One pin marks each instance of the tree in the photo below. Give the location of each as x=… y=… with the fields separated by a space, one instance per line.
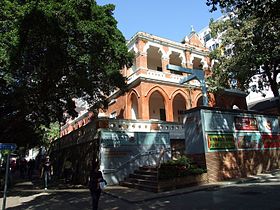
x=267 y=9
x=51 y=52
x=254 y=32
x=50 y=133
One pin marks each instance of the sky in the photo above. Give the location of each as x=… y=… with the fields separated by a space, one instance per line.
x=168 y=19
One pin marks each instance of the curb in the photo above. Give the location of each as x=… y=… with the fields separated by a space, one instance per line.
x=165 y=194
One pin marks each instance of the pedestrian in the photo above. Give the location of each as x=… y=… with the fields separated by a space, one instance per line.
x=31 y=167
x=22 y=167
x=94 y=184
x=46 y=171
x=13 y=166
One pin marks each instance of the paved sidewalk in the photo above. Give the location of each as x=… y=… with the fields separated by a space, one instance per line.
x=23 y=193
x=135 y=195
x=37 y=184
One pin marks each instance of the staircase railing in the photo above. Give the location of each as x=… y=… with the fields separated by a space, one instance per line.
x=161 y=152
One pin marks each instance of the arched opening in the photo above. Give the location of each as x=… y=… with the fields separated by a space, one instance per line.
x=197 y=63
x=174 y=59
x=154 y=59
x=133 y=68
x=199 y=101
x=179 y=104
x=157 y=107
x=134 y=107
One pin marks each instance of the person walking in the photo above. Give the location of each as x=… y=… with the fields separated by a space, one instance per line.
x=94 y=184
x=46 y=171
x=30 y=168
x=22 y=167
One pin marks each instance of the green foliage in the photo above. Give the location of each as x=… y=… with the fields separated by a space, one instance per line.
x=253 y=34
x=51 y=52
x=247 y=8
x=50 y=134
x=181 y=167
x=183 y=161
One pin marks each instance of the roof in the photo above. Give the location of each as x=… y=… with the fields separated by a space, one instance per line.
x=265 y=104
x=235 y=92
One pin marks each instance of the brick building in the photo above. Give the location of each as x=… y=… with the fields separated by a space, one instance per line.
x=152 y=114
x=158 y=93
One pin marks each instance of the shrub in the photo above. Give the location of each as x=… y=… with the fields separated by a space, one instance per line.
x=179 y=168
x=183 y=160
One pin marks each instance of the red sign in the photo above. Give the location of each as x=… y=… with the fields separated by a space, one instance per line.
x=271 y=141
x=246 y=123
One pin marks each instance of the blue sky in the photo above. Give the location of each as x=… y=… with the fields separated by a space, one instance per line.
x=164 y=18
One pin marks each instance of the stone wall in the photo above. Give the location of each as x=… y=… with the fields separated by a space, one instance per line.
x=80 y=147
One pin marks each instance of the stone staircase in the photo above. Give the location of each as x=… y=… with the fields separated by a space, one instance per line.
x=144 y=178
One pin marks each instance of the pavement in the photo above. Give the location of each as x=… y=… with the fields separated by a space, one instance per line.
x=24 y=191
x=135 y=196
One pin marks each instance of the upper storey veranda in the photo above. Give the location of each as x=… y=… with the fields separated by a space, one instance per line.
x=153 y=54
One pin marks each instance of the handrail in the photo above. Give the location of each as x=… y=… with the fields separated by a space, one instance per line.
x=134 y=158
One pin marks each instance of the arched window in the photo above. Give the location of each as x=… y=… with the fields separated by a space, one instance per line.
x=154 y=58
x=197 y=63
x=199 y=101
x=134 y=107
x=179 y=104
x=175 y=59
x=157 y=107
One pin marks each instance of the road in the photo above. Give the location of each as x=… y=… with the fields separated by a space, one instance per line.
x=265 y=196
x=252 y=194
x=234 y=197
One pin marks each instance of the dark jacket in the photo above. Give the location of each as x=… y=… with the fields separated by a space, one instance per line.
x=95 y=178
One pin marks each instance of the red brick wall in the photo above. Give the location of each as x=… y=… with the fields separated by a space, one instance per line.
x=119 y=107
x=199 y=159
x=236 y=164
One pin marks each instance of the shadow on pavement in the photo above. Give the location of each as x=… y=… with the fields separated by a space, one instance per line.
x=269 y=177
x=53 y=200
x=61 y=196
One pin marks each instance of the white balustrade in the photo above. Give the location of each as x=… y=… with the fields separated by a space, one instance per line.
x=156 y=75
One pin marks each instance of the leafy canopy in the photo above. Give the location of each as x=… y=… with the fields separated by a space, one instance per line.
x=250 y=49
x=51 y=52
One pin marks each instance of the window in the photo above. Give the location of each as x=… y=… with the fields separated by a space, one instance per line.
x=215 y=46
x=207 y=37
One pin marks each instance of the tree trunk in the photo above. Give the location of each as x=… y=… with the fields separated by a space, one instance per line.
x=273 y=83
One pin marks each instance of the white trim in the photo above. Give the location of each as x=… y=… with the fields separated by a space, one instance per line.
x=181 y=54
x=203 y=60
x=134 y=48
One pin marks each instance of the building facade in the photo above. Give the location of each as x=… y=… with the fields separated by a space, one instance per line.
x=155 y=114
x=156 y=92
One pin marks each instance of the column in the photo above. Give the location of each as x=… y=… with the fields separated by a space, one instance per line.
x=169 y=110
